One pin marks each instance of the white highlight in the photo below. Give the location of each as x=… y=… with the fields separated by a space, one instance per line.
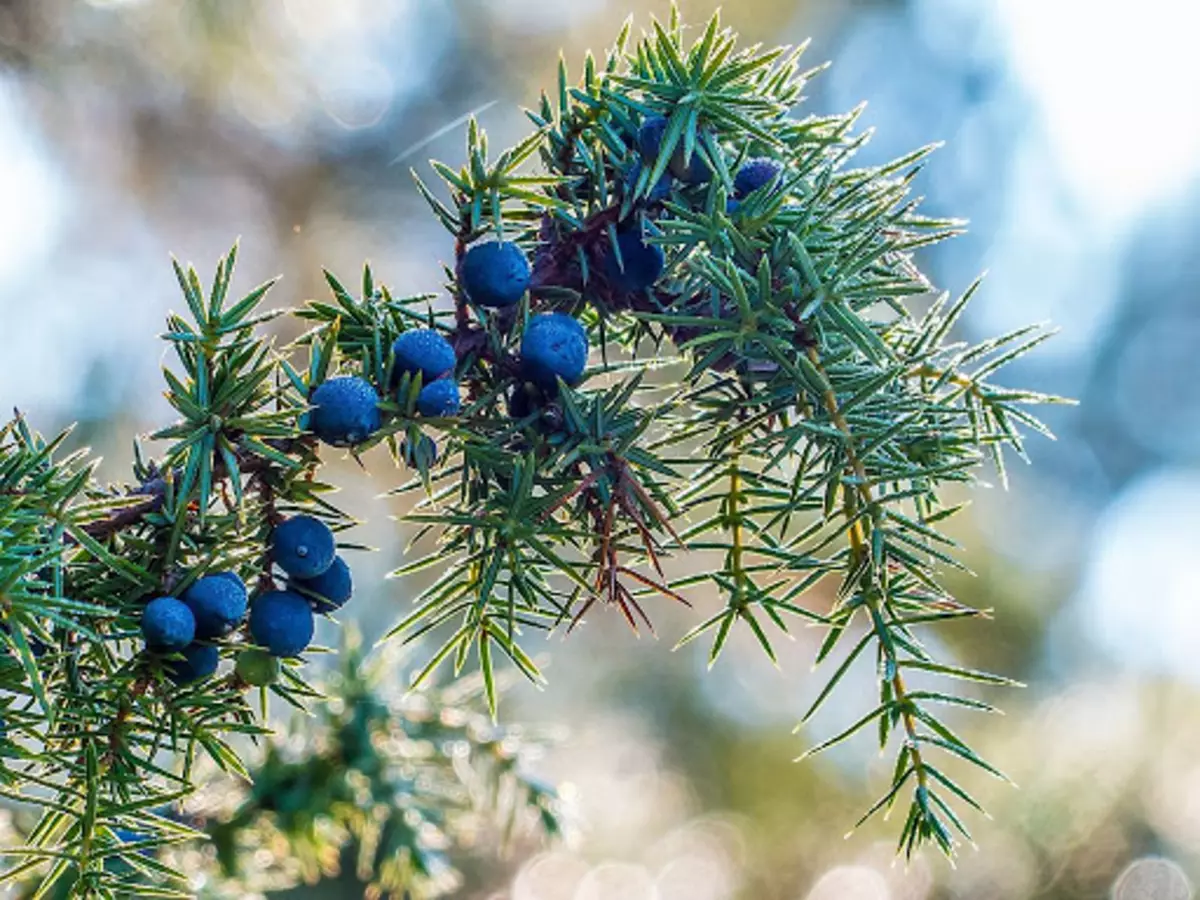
x=1117 y=86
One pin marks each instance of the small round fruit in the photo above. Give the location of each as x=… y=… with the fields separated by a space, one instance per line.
x=694 y=171
x=345 y=411
x=218 y=603
x=257 y=667
x=439 y=398
x=659 y=192
x=230 y=576
x=495 y=273
x=168 y=624
x=424 y=352
x=281 y=622
x=328 y=591
x=525 y=400
x=303 y=546
x=199 y=661
x=650 y=136
x=643 y=263
x=553 y=346
x=755 y=174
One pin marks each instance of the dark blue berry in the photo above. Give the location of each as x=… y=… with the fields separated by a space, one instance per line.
x=495 y=273
x=659 y=192
x=731 y=206
x=424 y=352
x=440 y=398
x=694 y=171
x=199 y=661
x=650 y=136
x=345 y=411
x=554 y=345
x=754 y=174
x=643 y=263
x=168 y=624
x=218 y=603
x=281 y=622
x=303 y=546
x=525 y=400
x=233 y=577
x=329 y=590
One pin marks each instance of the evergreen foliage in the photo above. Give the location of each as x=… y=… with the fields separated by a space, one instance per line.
x=775 y=400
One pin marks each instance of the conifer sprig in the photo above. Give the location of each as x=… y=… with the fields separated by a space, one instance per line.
x=775 y=402
x=682 y=208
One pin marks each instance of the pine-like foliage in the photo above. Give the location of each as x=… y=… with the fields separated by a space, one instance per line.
x=782 y=406
x=775 y=401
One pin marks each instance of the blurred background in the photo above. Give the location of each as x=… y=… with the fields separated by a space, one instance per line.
x=131 y=130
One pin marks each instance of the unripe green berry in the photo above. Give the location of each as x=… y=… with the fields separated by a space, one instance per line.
x=257 y=667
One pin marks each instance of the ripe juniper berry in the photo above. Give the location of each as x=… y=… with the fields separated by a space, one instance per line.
x=281 y=622
x=659 y=192
x=168 y=624
x=345 y=411
x=695 y=170
x=440 y=398
x=199 y=661
x=643 y=263
x=754 y=174
x=650 y=136
x=218 y=603
x=495 y=273
x=328 y=591
x=422 y=351
x=303 y=546
x=554 y=346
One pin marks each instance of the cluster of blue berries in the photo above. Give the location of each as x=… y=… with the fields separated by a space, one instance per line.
x=345 y=410
x=554 y=346
x=281 y=622
x=424 y=352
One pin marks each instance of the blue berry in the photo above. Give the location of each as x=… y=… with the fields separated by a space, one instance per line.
x=345 y=411
x=199 y=661
x=554 y=345
x=281 y=622
x=732 y=206
x=650 y=136
x=424 y=352
x=329 y=590
x=495 y=273
x=218 y=603
x=168 y=624
x=303 y=546
x=439 y=398
x=754 y=174
x=649 y=143
x=660 y=191
x=695 y=171
x=233 y=577
x=524 y=401
x=643 y=262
